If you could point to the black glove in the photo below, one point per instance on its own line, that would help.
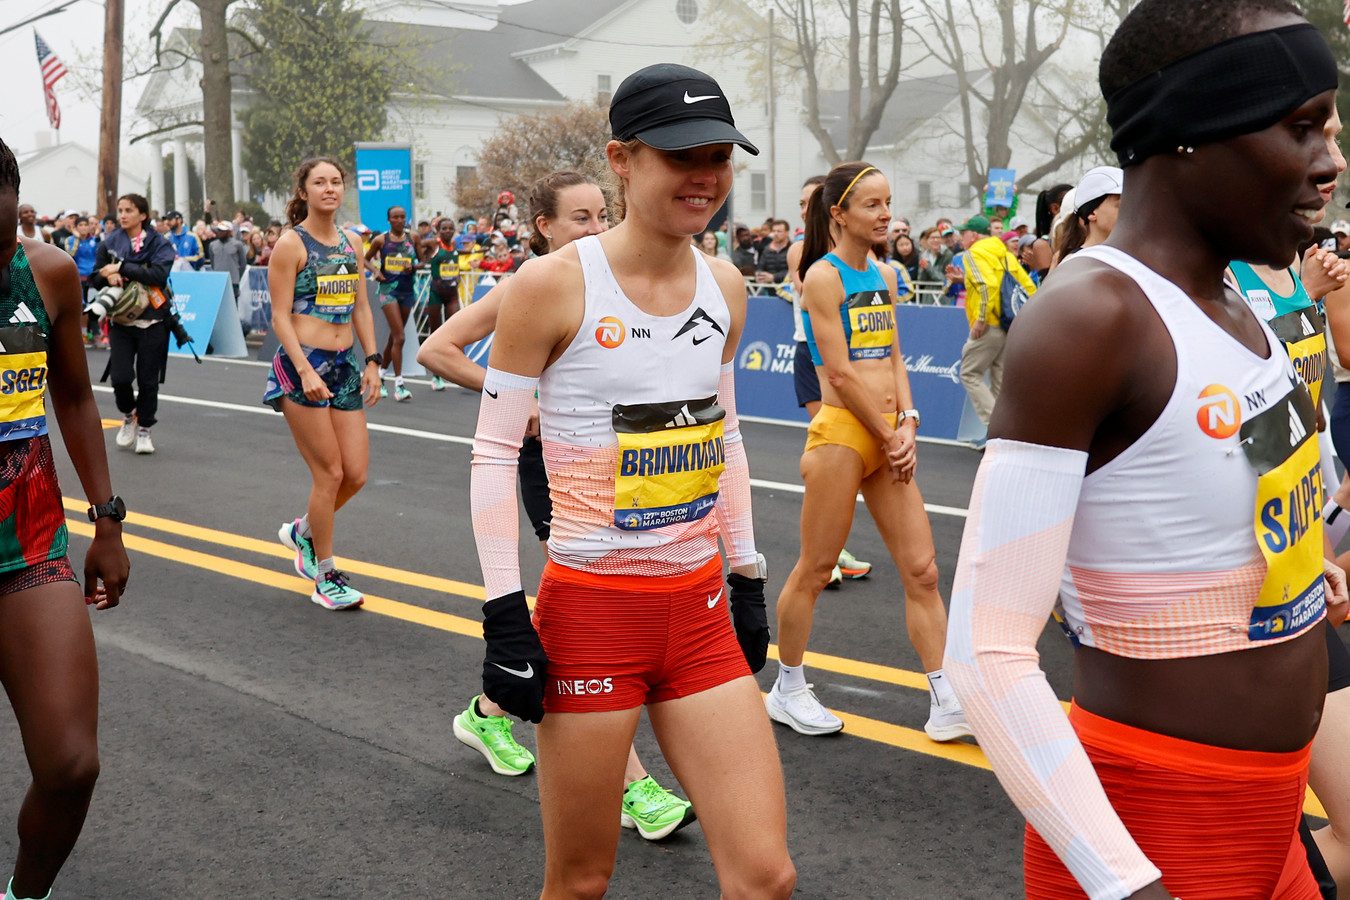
(750, 618)
(514, 665)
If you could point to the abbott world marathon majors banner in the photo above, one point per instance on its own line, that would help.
(384, 178)
(931, 338)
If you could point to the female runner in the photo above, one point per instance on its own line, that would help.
(398, 261)
(862, 437)
(630, 339)
(443, 290)
(48, 664)
(317, 380)
(564, 206)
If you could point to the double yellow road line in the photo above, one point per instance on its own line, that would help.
(910, 739)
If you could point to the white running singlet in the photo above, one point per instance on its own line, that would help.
(632, 430)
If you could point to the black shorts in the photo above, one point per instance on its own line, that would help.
(534, 486)
(804, 378)
(47, 572)
(1338, 662)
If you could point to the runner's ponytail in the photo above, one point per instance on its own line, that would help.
(839, 184)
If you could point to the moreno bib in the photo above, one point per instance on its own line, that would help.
(335, 293)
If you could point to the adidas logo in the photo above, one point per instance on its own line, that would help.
(23, 316)
(1296, 430)
(682, 419)
(877, 301)
(1307, 326)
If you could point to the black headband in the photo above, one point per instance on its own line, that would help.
(1237, 86)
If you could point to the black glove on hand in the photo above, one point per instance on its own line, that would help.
(750, 618)
(514, 665)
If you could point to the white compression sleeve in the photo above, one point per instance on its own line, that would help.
(1007, 578)
(733, 498)
(504, 411)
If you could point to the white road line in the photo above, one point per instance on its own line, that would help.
(788, 487)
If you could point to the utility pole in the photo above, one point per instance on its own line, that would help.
(773, 177)
(110, 123)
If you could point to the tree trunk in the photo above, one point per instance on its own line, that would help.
(215, 53)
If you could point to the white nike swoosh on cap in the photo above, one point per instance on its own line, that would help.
(688, 99)
(527, 672)
(712, 601)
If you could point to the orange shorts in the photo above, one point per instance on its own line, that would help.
(1221, 824)
(619, 641)
(836, 425)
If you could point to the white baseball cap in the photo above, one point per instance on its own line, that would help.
(1340, 226)
(1100, 182)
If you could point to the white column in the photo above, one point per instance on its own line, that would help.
(237, 162)
(180, 175)
(158, 199)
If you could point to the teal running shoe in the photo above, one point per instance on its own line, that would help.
(384, 391)
(306, 562)
(655, 812)
(402, 394)
(491, 736)
(438, 383)
(331, 591)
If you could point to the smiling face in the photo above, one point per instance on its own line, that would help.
(1332, 132)
(869, 210)
(676, 191)
(581, 211)
(324, 188)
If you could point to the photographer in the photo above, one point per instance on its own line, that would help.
(129, 256)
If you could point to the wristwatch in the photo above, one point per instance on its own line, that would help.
(114, 508)
(908, 414)
(375, 358)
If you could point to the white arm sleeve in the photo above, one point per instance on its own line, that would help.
(1012, 557)
(503, 413)
(733, 495)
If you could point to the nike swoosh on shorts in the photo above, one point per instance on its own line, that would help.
(528, 671)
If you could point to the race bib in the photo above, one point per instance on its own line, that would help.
(447, 270)
(1281, 445)
(670, 458)
(335, 294)
(397, 264)
(871, 321)
(23, 382)
(1303, 333)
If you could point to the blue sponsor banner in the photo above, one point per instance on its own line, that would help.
(931, 338)
(1002, 183)
(384, 178)
(204, 302)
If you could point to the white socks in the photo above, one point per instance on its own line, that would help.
(326, 565)
(1335, 521)
(791, 678)
(398, 381)
(302, 528)
(940, 691)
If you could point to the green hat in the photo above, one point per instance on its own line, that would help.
(977, 224)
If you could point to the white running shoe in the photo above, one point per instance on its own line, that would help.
(126, 435)
(836, 579)
(947, 723)
(801, 711)
(143, 443)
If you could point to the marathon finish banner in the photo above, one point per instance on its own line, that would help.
(384, 178)
(931, 338)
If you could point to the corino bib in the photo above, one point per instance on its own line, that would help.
(867, 313)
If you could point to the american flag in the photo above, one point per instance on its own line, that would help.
(53, 71)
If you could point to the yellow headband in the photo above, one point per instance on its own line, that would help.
(853, 182)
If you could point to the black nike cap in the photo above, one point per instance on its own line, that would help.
(673, 107)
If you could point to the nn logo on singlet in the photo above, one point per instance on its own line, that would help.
(1219, 415)
(610, 333)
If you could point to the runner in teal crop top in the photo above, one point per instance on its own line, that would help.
(867, 313)
(326, 287)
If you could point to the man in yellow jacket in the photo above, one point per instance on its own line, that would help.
(988, 261)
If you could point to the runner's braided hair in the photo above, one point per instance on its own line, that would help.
(1158, 32)
(9, 169)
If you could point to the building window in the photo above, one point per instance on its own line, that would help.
(419, 180)
(759, 192)
(925, 194)
(464, 175)
(603, 90)
(687, 11)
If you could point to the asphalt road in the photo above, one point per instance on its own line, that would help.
(255, 745)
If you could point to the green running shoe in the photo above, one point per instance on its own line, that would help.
(438, 383)
(491, 736)
(331, 591)
(654, 811)
(384, 391)
(852, 567)
(306, 563)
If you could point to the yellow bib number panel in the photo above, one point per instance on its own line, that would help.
(397, 264)
(1281, 445)
(23, 383)
(335, 294)
(1303, 333)
(870, 318)
(671, 456)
